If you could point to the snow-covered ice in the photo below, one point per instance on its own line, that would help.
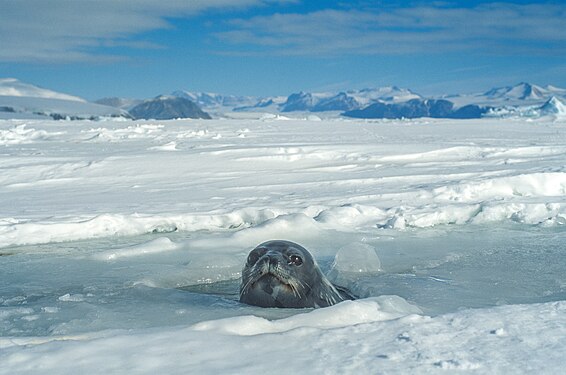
(121, 244)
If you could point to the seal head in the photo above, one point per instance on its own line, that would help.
(284, 274)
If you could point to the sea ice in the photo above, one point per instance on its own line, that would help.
(122, 243)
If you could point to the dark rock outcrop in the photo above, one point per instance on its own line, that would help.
(167, 108)
(417, 108)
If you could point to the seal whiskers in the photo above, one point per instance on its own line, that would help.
(284, 274)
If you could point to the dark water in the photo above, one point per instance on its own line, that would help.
(62, 289)
(449, 269)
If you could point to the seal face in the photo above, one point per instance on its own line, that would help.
(284, 274)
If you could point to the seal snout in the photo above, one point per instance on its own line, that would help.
(271, 264)
(268, 261)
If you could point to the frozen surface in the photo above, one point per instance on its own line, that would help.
(121, 244)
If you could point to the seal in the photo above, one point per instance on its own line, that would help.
(281, 273)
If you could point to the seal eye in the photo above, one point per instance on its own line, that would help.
(296, 260)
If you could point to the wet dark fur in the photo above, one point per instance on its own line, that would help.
(284, 274)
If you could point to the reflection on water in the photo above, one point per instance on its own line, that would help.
(228, 289)
(466, 268)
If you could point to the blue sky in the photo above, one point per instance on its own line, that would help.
(142, 48)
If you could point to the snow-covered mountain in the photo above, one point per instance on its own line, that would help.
(553, 106)
(521, 91)
(213, 101)
(522, 94)
(269, 104)
(339, 102)
(302, 101)
(122, 103)
(416, 108)
(23, 100)
(523, 99)
(387, 94)
(345, 101)
(14, 87)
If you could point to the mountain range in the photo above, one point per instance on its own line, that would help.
(417, 108)
(23, 100)
(394, 102)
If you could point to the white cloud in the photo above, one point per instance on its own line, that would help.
(495, 28)
(77, 30)
(69, 30)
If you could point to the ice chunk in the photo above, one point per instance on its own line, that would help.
(352, 261)
(154, 246)
(171, 146)
(356, 257)
(202, 268)
(71, 297)
(344, 314)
